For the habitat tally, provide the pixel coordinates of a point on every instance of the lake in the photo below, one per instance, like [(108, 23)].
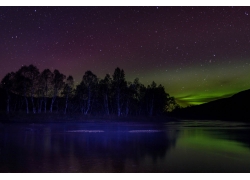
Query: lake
[(181, 146)]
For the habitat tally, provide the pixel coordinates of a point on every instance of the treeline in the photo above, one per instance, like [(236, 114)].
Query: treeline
[(33, 91)]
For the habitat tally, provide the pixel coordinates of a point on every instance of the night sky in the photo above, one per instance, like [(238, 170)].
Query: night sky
[(198, 54)]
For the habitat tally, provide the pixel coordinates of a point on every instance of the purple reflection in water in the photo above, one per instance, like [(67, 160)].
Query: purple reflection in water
[(118, 147), (145, 131), (87, 131), (82, 147)]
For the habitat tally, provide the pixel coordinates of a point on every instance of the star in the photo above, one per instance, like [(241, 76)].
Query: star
[(191, 42)]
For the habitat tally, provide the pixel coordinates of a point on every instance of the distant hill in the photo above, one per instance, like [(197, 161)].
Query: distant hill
[(236, 107)]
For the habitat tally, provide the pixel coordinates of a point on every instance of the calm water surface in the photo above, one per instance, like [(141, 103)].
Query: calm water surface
[(183, 146)]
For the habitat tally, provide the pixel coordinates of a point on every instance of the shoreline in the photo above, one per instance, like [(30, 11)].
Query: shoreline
[(70, 118)]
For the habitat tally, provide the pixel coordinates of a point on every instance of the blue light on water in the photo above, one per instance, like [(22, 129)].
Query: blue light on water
[(86, 131)]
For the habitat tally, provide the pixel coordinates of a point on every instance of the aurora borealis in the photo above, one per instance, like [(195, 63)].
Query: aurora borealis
[(198, 54)]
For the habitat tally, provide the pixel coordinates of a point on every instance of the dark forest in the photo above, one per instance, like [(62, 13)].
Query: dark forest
[(31, 91)]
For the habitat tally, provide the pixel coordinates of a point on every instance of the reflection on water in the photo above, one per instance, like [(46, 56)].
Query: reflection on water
[(186, 146)]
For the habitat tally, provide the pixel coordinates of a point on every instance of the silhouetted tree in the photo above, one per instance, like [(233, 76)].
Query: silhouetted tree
[(68, 88), (161, 100), (111, 95), (33, 74), (45, 86), (134, 97), (7, 84), (156, 99), (129, 97), (58, 84), (172, 105), (140, 90), (119, 85), (25, 79), (105, 88), (150, 97), (87, 91)]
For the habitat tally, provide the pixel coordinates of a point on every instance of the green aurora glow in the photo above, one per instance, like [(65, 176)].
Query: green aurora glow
[(195, 85), (198, 54)]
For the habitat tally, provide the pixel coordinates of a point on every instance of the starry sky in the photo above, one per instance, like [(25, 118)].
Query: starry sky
[(198, 54)]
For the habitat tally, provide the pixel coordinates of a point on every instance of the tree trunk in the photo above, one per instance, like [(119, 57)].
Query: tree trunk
[(118, 104), (82, 108), (40, 103), (151, 107), (33, 106), (45, 105), (106, 106), (53, 100), (27, 105), (88, 102), (51, 105), (8, 105), (57, 107), (66, 104), (32, 101), (127, 107)]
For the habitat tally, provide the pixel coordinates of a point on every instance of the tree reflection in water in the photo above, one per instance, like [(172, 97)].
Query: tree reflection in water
[(182, 146), (117, 147)]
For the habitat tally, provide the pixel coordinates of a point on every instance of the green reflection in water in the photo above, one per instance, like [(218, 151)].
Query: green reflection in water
[(204, 140)]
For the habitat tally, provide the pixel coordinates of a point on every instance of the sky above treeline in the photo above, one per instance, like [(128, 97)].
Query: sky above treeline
[(197, 53)]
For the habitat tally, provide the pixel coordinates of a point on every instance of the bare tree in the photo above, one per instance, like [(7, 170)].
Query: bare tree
[(58, 84), (105, 88), (45, 86), (119, 85), (26, 83), (69, 85), (7, 84), (89, 83)]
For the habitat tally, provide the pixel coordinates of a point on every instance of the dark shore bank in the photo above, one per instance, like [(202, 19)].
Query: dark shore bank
[(60, 117)]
